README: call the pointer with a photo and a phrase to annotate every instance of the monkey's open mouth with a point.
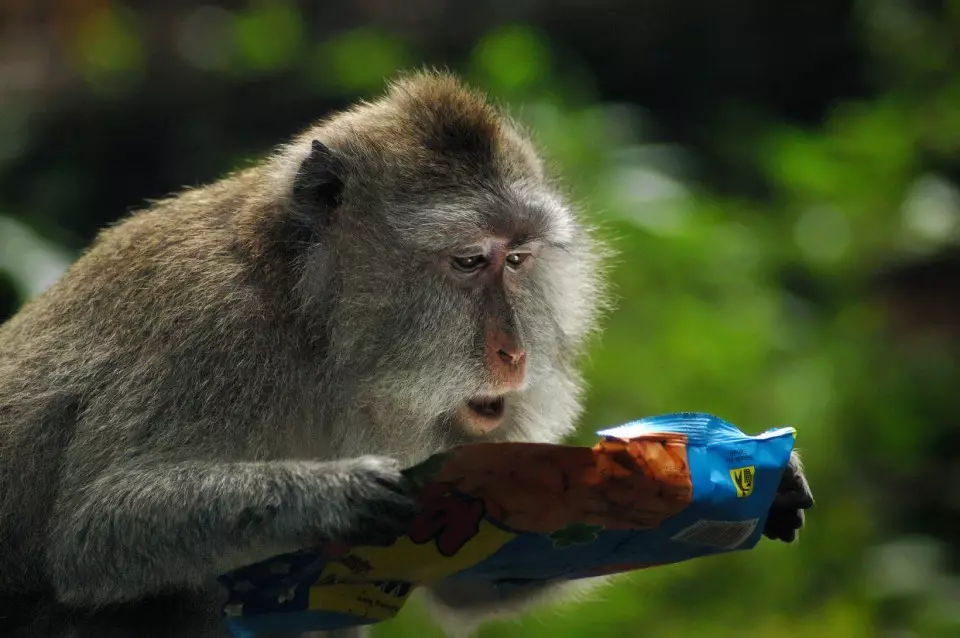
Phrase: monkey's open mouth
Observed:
(488, 408)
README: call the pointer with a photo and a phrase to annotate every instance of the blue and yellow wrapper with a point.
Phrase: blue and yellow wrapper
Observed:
(657, 491)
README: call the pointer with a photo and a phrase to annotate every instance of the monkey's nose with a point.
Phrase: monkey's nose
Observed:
(511, 357)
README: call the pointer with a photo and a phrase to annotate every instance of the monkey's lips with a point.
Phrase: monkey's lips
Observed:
(483, 414)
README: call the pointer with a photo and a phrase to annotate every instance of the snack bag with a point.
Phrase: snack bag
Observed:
(657, 491)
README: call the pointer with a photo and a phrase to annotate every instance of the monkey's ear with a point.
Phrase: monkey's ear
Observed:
(319, 181)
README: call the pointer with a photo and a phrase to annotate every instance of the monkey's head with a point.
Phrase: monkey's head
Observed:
(456, 285)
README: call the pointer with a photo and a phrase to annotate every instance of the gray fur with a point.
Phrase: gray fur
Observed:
(205, 386)
(179, 403)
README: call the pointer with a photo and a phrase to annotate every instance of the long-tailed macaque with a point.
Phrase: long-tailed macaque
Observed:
(241, 370)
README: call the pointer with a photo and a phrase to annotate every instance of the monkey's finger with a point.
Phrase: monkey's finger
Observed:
(792, 520)
(383, 531)
(790, 480)
(779, 534)
(783, 525)
(394, 505)
(381, 522)
(792, 500)
(787, 536)
(373, 537)
(402, 485)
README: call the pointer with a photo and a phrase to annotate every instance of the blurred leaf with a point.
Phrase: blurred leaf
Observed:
(269, 35)
(358, 62)
(109, 48)
(510, 58)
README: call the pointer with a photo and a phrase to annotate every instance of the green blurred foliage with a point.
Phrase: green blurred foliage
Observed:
(109, 49)
(357, 61)
(704, 320)
(268, 36)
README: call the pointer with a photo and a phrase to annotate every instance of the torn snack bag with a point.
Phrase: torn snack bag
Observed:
(657, 491)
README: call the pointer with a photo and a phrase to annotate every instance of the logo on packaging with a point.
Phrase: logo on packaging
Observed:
(743, 480)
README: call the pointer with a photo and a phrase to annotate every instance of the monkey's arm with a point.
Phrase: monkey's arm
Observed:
(137, 531)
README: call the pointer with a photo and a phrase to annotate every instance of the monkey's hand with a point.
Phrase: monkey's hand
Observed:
(786, 516)
(374, 504)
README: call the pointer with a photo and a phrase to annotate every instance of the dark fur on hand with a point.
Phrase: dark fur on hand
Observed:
(793, 497)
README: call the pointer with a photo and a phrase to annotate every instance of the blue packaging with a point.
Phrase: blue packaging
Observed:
(652, 492)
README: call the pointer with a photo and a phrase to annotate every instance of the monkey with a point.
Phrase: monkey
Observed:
(242, 369)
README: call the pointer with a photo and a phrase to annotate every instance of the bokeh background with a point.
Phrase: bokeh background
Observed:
(780, 180)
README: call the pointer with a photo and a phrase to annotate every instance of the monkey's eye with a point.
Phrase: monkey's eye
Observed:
(469, 264)
(514, 260)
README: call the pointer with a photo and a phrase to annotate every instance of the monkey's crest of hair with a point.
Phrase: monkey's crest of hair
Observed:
(424, 117)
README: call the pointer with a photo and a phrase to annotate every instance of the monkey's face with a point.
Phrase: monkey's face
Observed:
(457, 285)
(465, 314)
(492, 269)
